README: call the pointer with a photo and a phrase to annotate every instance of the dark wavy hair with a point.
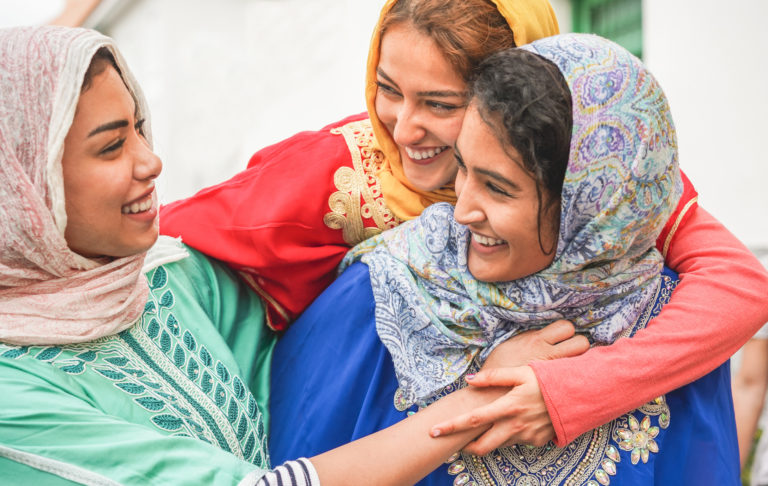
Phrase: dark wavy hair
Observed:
(526, 101)
(99, 62)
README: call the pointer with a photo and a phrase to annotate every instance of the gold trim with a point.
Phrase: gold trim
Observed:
(359, 195)
(266, 297)
(677, 223)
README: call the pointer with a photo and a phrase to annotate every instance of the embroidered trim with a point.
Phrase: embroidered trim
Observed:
(679, 219)
(169, 374)
(271, 303)
(359, 195)
(590, 459)
(57, 468)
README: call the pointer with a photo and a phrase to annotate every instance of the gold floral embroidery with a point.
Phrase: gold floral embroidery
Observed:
(591, 459)
(359, 195)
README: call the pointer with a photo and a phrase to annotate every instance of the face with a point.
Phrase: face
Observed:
(109, 174)
(421, 100)
(499, 203)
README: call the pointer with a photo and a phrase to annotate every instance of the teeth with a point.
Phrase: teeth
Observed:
(138, 207)
(485, 241)
(423, 154)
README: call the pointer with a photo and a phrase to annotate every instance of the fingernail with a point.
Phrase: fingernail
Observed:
(469, 377)
(435, 433)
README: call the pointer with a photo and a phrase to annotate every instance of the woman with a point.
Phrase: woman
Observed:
(109, 377)
(351, 180)
(531, 241)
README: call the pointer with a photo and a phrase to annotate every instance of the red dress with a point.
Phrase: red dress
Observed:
(286, 221)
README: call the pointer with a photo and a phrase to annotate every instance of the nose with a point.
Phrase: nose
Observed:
(409, 127)
(147, 165)
(468, 211)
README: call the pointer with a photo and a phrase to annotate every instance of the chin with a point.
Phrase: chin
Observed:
(424, 179)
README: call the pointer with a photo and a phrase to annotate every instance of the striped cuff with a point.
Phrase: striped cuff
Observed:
(300, 472)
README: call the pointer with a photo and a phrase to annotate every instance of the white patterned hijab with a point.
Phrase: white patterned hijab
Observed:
(48, 293)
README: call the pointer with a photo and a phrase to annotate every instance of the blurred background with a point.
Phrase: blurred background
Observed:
(226, 78)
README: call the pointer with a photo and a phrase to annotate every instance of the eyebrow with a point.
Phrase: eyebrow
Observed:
(487, 172)
(113, 125)
(427, 94)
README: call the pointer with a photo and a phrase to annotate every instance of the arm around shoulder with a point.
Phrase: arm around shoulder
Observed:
(721, 300)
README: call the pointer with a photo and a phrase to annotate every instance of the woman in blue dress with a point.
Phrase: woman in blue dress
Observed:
(568, 171)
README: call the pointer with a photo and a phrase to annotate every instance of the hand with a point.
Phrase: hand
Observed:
(557, 340)
(519, 417)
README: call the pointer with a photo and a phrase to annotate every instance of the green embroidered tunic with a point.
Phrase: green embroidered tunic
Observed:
(178, 398)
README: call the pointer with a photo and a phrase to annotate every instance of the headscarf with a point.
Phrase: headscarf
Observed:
(48, 293)
(621, 184)
(528, 19)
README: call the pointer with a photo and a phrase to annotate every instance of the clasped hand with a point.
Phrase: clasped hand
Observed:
(520, 416)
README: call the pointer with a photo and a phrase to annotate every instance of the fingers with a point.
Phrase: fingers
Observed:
(557, 331)
(480, 416)
(508, 377)
(505, 435)
(571, 347)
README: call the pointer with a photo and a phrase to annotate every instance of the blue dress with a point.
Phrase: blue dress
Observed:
(333, 381)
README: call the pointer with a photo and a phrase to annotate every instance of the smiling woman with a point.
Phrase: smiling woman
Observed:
(109, 169)
(426, 305)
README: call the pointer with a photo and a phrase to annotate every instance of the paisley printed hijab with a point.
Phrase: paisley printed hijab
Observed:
(49, 294)
(621, 185)
(528, 19)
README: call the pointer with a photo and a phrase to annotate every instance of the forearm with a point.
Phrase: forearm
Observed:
(749, 387)
(406, 448)
(721, 300)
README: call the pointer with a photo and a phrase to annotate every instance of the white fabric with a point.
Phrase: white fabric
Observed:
(49, 294)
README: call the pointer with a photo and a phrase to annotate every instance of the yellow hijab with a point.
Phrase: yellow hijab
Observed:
(529, 20)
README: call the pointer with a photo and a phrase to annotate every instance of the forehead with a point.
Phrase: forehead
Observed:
(481, 149)
(410, 55)
(105, 91)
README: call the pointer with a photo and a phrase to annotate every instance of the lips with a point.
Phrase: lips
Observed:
(140, 204)
(424, 154)
(486, 241)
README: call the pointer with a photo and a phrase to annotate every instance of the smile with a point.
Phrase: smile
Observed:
(423, 154)
(485, 241)
(139, 206)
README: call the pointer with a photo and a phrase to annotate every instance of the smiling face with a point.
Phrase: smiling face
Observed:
(421, 100)
(109, 174)
(498, 201)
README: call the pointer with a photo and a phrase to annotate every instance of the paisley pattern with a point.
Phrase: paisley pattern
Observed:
(621, 185)
(593, 458)
(162, 368)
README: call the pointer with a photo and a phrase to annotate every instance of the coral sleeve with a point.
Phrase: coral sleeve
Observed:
(721, 300)
(267, 221)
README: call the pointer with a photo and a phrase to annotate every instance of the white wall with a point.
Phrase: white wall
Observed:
(226, 78)
(711, 58)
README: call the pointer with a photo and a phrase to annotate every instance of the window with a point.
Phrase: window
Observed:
(618, 20)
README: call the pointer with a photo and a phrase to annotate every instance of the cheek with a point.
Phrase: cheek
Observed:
(385, 110)
(448, 129)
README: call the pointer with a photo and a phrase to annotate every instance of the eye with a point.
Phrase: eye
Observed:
(459, 162)
(113, 147)
(387, 89)
(444, 107)
(496, 189)
(139, 127)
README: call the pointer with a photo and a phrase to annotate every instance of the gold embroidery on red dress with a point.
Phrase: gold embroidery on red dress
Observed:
(358, 208)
